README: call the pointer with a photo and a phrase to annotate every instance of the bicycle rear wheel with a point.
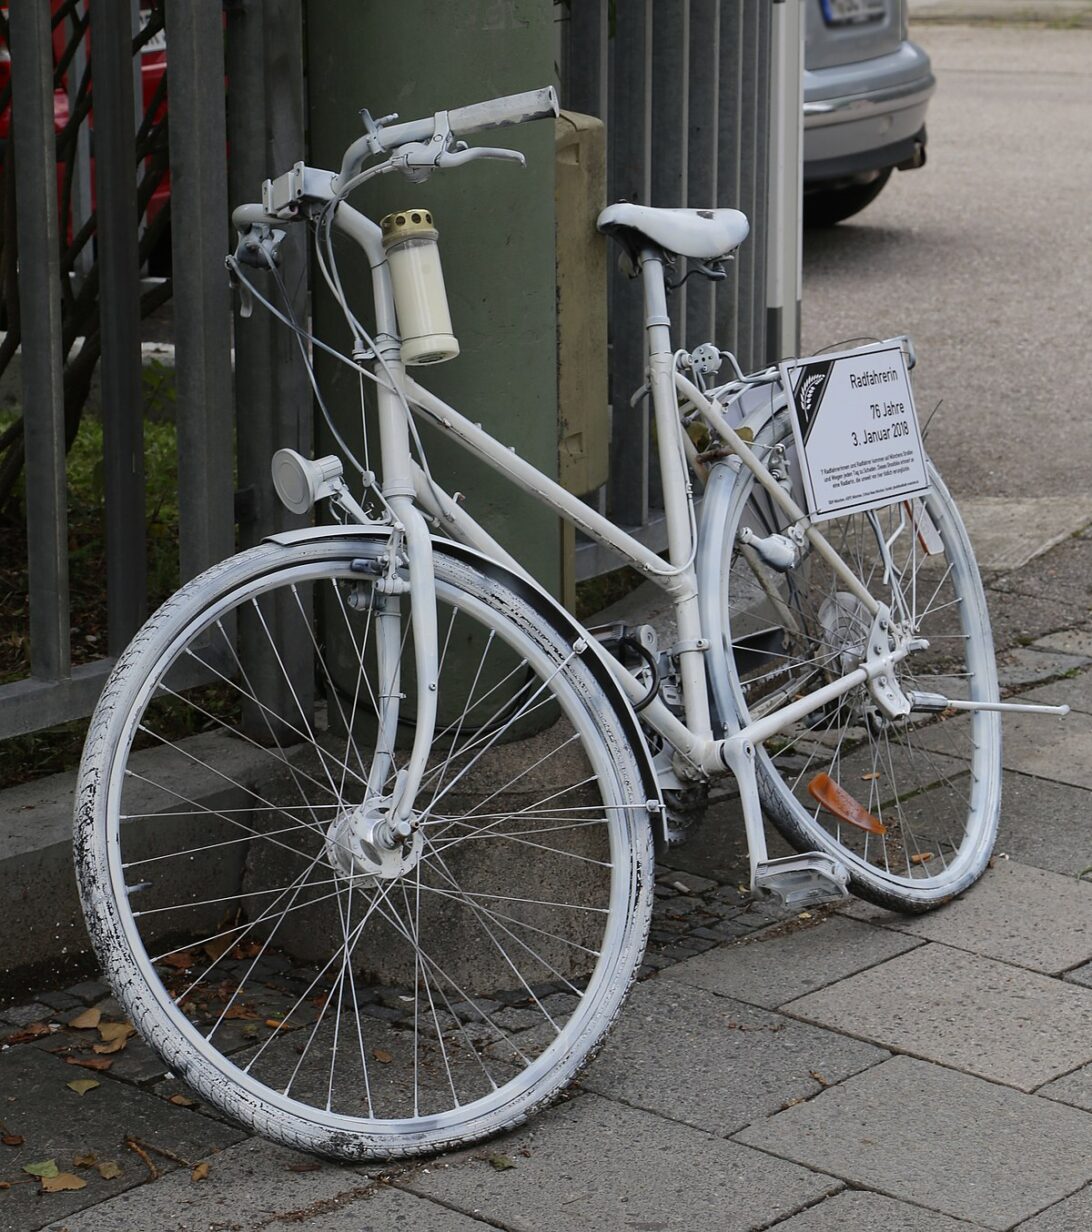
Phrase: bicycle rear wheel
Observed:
(930, 783)
(341, 999)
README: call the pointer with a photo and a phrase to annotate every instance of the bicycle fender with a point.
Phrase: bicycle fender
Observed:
(545, 605)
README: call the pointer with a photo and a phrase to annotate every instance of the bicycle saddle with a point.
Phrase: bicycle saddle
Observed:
(701, 234)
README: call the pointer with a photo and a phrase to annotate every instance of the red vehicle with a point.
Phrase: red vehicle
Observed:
(153, 68)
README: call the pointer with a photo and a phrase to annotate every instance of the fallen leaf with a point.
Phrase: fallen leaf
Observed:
(43, 1168)
(96, 1063)
(870, 776)
(110, 1031)
(200, 1172)
(180, 960)
(382, 1055)
(500, 1163)
(115, 1045)
(87, 1160)
(82, 1085)
(250, 1031)
(62, 1181)
(32, 1032)
(218, 948)
(921, 857)
(241, 1011)
(88, 1019)
(310, 1166)
(819, 1078)
(12, 1140)
(109, 1170)
(247, 949)
(183, 1101)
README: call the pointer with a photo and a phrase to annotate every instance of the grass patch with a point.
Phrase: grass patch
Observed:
(55, 749)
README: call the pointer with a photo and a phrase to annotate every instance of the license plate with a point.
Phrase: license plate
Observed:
(852, 12)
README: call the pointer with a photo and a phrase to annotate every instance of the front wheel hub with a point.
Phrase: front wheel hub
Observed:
(360, 843)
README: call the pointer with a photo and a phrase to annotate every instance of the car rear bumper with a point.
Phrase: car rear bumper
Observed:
(865, 117)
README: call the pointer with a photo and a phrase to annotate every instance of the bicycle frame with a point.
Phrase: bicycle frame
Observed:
(407, 490)
(404, 485)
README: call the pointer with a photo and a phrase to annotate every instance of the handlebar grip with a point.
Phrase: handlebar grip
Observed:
(501, 112)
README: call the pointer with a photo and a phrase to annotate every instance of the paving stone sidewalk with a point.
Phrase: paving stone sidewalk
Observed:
(831, 1070)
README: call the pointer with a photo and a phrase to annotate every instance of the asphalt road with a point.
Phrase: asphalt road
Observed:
(985, 257)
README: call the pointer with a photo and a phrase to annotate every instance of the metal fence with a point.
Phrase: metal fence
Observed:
(224, 430)
(684, 88)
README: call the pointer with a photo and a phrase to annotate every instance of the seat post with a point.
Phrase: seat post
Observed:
(673, 467)
(675, 474)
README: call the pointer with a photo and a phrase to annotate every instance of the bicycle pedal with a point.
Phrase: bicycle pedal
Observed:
(804, 880)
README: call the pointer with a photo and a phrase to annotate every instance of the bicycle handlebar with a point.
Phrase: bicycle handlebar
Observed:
(475, 118)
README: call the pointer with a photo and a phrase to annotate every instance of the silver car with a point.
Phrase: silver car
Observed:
(866, 88)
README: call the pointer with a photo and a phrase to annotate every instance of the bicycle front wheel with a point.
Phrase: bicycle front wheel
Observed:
(929, 783)
(333, 993)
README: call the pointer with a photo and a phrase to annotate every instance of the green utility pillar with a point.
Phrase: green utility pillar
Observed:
(496, 225)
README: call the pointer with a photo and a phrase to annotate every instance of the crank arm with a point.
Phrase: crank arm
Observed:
(936, 702)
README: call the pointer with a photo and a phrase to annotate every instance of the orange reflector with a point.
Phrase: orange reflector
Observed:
(835, 799)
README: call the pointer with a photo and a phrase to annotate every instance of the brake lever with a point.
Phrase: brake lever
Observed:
(456, 157)
(418, 159)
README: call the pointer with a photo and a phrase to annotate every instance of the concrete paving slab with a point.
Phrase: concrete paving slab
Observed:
(256, 1185)
(1082, 975)
(858, 1210)
(1063, 572)
(1022, 666)
(970, 1013)
(1018, 914)
(593, 1163)
(1074, 1088)
(1070, 641)
(56, 1123)
(1006, 533)
(715, 1063)
(778, 966)
(1045, 824)
(940, 1139)
(1019, 620)
(1075, 692)
(1055, 749)
(1072, 1215)
(1058, 749)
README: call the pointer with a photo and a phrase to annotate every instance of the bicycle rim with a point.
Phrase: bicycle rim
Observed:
(930, 783)
(353, 1008)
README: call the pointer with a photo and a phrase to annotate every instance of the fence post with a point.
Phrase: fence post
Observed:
(272, 392)
(199, 233)
(34, 149)
(786, 181)
(119, 320)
